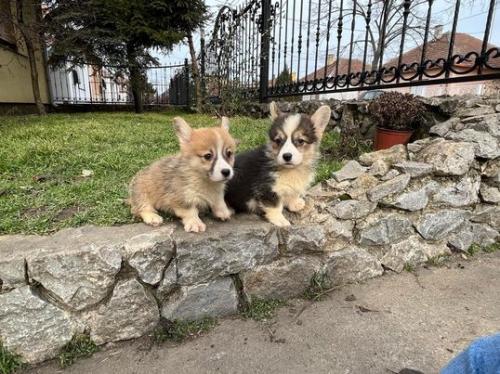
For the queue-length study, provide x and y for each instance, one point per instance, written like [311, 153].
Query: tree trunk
[196, 74]
[137, 79]
[137, 88]
[29, 37]
[34, 77]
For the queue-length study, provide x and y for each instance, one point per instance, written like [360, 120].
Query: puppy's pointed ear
[183, 130]
[320, 119]
[275, 111]
[224, 123]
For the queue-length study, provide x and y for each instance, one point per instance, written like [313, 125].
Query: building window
[7, 34]
[74, 75]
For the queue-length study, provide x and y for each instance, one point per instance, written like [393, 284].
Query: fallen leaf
[350, 297]
[40, 178]
[87, 173]
[363, 309]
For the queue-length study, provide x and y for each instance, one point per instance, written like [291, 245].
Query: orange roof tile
[464, 43]
[356, 66]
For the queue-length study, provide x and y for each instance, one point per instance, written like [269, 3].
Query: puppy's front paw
[296, 205]
[223, 213]
[279, 221]
[152, 219]
[194, 225]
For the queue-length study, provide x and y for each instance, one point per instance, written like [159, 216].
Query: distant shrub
[397, 111]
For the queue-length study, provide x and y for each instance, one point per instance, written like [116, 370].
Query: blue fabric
[481, 357]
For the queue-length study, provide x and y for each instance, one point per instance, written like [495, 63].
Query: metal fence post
[186, 77]
[202, 66]
[264, 52]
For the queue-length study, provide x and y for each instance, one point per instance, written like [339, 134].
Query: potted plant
[397, 116]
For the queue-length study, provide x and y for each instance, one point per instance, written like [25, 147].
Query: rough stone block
[438, 225]
[284, 278]
[305, 238]
[33, 328]
[448, 158]
[79, 276]
[492, 172]
[411, 251]
[489, 214]
[379, 168]
[485, 145]
[414, 168]
[393, 173]
[387, 230]
[352, 209]
[441, 129]
[477, 233]
[213, 299]
[458, 194]
[391, 155]
[130, 313]
[490, 194]
[224, 249]
[169, 281]
[351, 170]
[150, 252]
[352, 264]
[390, 187]
[13, 251]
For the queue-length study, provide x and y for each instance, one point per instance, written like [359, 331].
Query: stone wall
[355, 114]
[400, 206]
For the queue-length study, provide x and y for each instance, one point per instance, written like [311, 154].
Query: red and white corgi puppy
[189, 182]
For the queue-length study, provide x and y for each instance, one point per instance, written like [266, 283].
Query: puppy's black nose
[225, 172]
[287, 157]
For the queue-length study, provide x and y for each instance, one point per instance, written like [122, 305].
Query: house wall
[15, 79]
[84, 84]
[350, 95]
[454, 89]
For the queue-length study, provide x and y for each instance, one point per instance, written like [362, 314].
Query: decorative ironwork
[254, 46]
[89, 84]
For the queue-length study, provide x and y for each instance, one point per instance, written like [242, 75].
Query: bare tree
[195, 73]
[379, 24]
[24, 17]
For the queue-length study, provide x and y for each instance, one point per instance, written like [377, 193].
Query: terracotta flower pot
[385, 138]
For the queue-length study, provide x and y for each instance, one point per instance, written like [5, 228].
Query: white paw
[280, 221]
[152, 219]
[194, 225]
[296, 205]
[223, 214]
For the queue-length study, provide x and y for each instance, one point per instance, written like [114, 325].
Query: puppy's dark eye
[278, 141]
[207, 156]
[229, 153]
[300, 141]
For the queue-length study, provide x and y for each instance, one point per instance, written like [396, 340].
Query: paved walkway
[408, 320]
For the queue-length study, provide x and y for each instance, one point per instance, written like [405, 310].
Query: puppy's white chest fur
[293, 182]
[203, 194]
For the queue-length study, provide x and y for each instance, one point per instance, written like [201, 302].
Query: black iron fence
[300, 47]
[89, 84]
[287, 48]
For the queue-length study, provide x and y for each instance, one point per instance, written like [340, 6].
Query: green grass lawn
[41, 161]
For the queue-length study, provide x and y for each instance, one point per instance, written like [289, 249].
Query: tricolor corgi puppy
[189, 182]
[276, 175]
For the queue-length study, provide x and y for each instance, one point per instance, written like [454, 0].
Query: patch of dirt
[34, 212]
[41, 178]
[67, 213]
